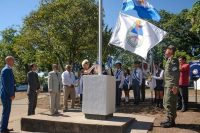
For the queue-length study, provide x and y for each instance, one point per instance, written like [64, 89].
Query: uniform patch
[174, 68]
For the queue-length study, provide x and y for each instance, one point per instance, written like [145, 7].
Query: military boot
[165, 121]
[169, 123]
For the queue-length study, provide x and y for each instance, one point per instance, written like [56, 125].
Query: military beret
[172, 47]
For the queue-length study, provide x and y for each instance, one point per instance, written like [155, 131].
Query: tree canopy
[66, 32]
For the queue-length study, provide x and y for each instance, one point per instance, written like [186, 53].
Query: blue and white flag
[128, 5]
[109, 61]
[136, 35]
[143, 8]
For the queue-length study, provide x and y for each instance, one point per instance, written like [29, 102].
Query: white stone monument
[98, 96]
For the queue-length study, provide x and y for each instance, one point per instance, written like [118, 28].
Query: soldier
[171, 78]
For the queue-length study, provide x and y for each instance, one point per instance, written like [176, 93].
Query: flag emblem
[134, 36]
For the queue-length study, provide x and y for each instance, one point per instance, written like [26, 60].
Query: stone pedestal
[98, 96]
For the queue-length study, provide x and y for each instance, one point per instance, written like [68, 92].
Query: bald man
[7, 92]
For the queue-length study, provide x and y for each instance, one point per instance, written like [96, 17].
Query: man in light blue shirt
[68, 81]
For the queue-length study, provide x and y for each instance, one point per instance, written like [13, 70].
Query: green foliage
[194, 17]
[66, 32]
[183, 53]
[60, 31]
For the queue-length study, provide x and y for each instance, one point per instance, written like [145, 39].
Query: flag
[143, 8]
[109, 61]
[136, 35]
[128, 5]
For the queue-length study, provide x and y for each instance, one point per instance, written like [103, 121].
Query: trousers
[143, 90]
[6, 102]
[54, 102]
[183, 97]
[170, 103]
[136, 90]
[32, 102]
[118, 93]
[67, 90]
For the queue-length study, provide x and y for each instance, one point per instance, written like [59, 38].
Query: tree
[60, 31]
[178, 27]
[194, 17]
[7, 45]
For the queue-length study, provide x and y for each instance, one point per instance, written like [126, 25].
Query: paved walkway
[19, 110]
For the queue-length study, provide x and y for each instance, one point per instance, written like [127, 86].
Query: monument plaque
[98, 96]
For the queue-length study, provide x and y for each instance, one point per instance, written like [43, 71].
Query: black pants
[142, 89]
[183, 97]
[32, 102]
[118, 93]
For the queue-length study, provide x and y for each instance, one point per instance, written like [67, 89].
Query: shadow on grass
[143, 108]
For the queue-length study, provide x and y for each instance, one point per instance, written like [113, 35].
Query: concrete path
[19, 110]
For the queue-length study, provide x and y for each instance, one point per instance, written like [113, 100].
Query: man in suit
[7, 93]
[54, 85]
[33, 89]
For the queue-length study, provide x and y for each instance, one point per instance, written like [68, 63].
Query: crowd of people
[171, 92]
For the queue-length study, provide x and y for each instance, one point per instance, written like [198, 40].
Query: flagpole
[100, 38]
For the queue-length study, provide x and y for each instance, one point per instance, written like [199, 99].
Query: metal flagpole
[100, 37]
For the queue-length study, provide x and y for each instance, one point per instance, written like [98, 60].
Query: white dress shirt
[68, 78]
[160, 76]
[119, 76]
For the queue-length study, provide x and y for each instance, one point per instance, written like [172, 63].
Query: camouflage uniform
[171, 78]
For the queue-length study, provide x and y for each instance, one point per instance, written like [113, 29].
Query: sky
[12, 12]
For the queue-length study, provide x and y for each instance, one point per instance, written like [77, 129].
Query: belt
[68, 85]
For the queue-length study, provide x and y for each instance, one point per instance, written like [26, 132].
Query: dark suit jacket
[33, 82]
[7, 89]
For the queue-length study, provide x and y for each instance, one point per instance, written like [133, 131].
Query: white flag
[136, 35]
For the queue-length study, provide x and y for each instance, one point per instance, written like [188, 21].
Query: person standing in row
[7, 92]
[184, 69]
[127, 84]
[84, 71]
[54, 86]
[119, 76]
[136, 78]
[33, 89]
[68, 81]
[171, 78]
[144, 68]
[159, 89]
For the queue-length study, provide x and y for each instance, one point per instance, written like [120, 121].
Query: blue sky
[12, 12]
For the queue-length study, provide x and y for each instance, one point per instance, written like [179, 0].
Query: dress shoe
[183, 110]
[56, 112]
[65, 110]
[7, 131]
